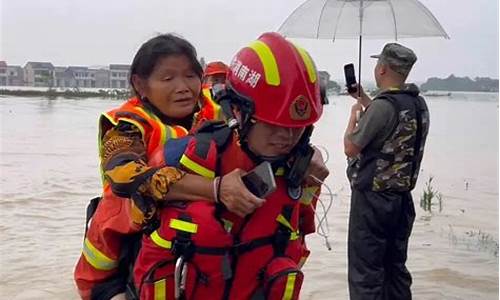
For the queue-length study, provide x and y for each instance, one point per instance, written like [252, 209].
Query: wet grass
[431, 198]
[475, 240]
[483, 241]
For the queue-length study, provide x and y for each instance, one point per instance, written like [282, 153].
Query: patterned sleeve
[124, 163]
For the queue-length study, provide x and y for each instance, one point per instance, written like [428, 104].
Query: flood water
[49, 171]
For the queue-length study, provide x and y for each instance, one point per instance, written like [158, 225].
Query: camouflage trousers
[380, 225]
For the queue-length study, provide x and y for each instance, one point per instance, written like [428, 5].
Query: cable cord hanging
[323, 229]
[327, 154]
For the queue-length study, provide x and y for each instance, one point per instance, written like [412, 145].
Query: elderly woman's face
[173, 87]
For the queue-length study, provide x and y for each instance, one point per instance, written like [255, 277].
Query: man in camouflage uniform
[384, 145]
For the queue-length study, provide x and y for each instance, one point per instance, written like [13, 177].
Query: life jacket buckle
[281, 238]
[183, 248]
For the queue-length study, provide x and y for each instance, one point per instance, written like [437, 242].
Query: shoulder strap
[218, 132]
[91, 208]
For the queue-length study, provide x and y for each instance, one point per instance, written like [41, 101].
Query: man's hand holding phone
[235, 196]
[353, 88]
[260, 181]
[350, 79]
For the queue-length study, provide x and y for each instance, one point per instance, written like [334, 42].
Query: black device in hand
[260, 181]
[350, 79]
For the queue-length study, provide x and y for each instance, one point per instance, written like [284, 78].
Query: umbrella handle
[360, 44]
[359, 65]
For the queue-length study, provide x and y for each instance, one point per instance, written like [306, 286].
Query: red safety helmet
[281, 80]
[215, 67]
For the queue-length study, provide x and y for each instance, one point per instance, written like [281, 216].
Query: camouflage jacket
[395, 166]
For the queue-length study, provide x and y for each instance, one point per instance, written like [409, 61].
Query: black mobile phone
[260, 181]
[350, 78]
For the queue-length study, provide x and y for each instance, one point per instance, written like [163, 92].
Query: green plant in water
[475, 240]
[431, 197]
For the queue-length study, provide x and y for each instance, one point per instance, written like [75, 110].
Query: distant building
[11, 75]
[44, 74]
[83, 76]
[101, 78]
[118, 76]
[15, 76]
[63, 78]
[3, 73]
[39, 74]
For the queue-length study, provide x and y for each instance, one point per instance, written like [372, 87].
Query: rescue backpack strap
[91, 208]
[221, 138]
[182, 248]
[221, 134]
[209, 134]
[183, 245]
[284, 231]
[212, 131]
[279, 240]
[205, 134]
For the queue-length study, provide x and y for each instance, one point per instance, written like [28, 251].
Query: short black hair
[159, 47]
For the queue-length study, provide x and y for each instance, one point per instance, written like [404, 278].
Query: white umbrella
[349, 19]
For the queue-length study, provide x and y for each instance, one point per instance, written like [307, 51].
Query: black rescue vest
[395, 166]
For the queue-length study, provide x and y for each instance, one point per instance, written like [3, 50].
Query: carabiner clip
[180, 276]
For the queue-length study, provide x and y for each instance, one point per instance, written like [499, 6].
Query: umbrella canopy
[347, 19]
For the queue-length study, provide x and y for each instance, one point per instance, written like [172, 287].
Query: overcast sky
[100, 32]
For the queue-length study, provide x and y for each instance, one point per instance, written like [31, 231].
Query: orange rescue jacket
[112, 219]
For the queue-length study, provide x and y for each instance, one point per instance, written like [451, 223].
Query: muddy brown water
[48, 160]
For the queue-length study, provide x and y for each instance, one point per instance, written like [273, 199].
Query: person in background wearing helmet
[166, 78]
[215, 73]
[201, 250]
[384, 149]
